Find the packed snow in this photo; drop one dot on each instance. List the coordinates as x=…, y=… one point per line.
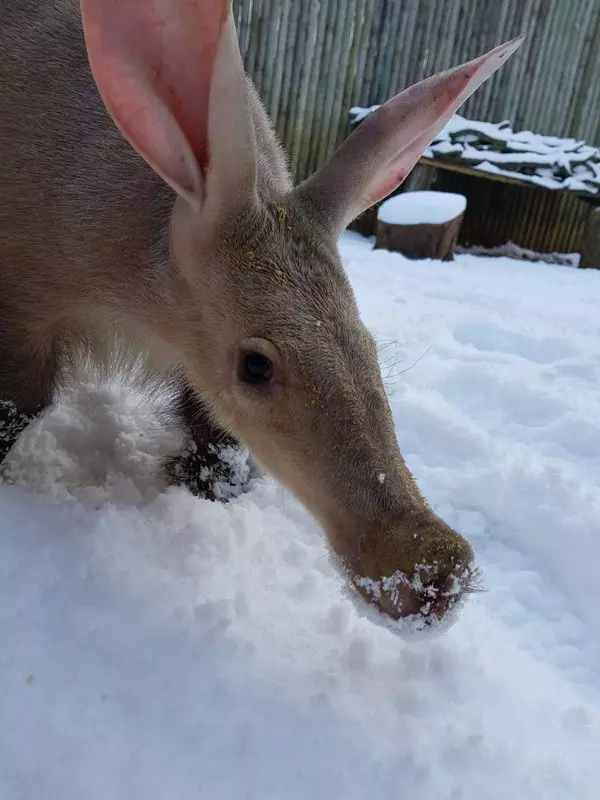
x=417, y=208
x=513, y=250
x=158, y=646
x=550, y=162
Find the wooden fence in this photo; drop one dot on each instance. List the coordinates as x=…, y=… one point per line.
x=314, y=59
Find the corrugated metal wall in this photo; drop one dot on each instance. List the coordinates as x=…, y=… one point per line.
x=314, y=59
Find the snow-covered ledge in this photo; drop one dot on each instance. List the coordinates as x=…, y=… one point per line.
x=545, y=161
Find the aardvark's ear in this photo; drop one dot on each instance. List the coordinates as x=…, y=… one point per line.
x=380, y=153
x=171, y=76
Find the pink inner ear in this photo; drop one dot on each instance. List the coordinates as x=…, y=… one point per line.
x=153, y=65
x=395, y=180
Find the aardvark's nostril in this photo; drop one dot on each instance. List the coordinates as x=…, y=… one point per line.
x=425, y=604
x=420, y=577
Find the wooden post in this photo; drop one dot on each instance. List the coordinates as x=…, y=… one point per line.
x=590, y=251
x=420, y=224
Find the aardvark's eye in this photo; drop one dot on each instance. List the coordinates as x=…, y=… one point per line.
x=255, y=368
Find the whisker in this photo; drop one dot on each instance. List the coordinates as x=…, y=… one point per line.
x=411, y=366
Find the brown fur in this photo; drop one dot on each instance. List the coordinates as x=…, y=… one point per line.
x=95, y=247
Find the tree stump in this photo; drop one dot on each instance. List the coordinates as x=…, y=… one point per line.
x=420, y=224
x=590, y=251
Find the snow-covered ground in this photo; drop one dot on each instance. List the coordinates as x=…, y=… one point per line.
x=158, y=647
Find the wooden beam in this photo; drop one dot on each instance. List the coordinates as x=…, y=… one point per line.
x=465, y=169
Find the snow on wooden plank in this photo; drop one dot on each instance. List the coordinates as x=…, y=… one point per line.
x=550, y=162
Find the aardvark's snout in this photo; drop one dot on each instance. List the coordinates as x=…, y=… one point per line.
x=414, y=573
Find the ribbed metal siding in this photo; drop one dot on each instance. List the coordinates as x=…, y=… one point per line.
x=313, y=59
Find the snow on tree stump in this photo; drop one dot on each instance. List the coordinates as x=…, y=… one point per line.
x=420, y=224
x=590, y=251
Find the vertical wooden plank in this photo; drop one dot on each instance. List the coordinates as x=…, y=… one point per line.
x=342, y=126
x=403, y=49
x=381, y=66
x=342, y=46
x=282, y=43
x=358, y=93
x=511, y=83
x=263, y=42
x=374, y=20
x=586, y=119
x=428, y=57
x=445, y=38
x=272, y=21
x=547, y=75
x=292, y=69
x=394, y=44
x=490, y=36
x=588, y=31
x=331, y=69
x=243, y=25
x=310, y=75
x=253, y=37
x=325, y=77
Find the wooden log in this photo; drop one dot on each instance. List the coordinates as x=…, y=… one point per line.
x=590, y=251
x=420, y=241
x=420, y=224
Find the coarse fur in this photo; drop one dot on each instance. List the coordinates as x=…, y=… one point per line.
x=191, y=248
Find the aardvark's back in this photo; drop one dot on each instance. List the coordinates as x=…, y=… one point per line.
x=74, y=196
